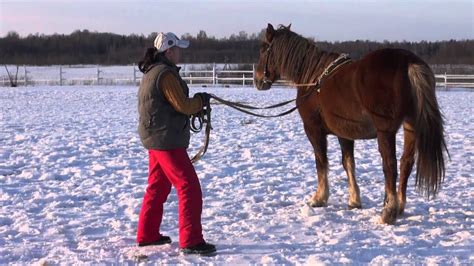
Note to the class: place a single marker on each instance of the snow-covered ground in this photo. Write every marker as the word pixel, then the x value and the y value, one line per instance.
pixel 73 174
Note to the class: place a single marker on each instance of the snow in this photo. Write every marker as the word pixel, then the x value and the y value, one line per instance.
pixel 73 174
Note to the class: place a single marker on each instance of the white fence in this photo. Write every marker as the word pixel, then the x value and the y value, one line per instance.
pixel 121 75
pixel 198 75
pixel 461 81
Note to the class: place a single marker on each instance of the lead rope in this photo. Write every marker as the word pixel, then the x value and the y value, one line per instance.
pixel 204 117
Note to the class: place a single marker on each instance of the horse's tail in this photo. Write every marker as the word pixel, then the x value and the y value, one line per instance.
pixel 429 131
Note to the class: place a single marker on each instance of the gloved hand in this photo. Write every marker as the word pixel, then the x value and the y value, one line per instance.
pixel 205 97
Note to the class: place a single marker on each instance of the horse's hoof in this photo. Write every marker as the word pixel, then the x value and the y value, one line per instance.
pixel 355 206
pixel 316 203
pixel 389 216
pixel 401 207
pixel 401 210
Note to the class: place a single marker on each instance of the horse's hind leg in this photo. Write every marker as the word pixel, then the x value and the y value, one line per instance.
pixel 320 198
pixel 406 164
pixel 386 142
pixel 347 148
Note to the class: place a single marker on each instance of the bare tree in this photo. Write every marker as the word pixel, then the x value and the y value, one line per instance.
pixel 13 82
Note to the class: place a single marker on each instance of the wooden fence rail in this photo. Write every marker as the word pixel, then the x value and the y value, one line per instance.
pixel 213 77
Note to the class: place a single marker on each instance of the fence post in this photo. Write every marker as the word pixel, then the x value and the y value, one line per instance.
pixel 253 74
pixel 445 81
pixel 190 79
pixel 243 80
pixel 98 75
pixel 60 75
pixel 134 75
pixel 26 79
pixel 214 76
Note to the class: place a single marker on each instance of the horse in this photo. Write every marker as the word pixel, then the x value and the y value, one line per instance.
pixel 361 99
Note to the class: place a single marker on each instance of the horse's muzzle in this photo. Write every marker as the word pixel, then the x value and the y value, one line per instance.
pixel 263 85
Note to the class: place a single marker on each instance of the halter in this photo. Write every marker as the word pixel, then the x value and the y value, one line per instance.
pixel 265 70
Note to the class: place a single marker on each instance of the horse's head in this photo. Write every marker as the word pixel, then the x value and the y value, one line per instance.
pixel 266 71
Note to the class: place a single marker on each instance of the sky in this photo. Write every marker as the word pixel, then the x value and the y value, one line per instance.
pixel 336 20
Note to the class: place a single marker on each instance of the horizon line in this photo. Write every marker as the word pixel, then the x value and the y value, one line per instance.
pixel 23 36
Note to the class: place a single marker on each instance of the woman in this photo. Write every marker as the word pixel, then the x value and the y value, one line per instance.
pixel 164 129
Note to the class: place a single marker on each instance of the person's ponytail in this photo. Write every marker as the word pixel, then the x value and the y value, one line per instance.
pixel 148 59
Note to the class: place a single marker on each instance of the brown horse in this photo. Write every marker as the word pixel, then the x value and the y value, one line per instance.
pixel 364 99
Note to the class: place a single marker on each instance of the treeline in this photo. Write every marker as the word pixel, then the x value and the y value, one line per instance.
pixel 85 47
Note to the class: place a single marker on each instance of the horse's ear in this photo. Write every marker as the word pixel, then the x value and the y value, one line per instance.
pixel 270 33
pixel 289 26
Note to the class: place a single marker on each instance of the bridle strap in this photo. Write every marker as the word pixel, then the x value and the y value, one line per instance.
pixel 338 62
pixel 265 70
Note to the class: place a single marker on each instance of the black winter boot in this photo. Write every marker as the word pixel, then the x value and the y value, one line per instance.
pixel 163 240
pixel 200 249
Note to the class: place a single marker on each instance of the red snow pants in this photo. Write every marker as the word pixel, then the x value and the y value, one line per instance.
pixel 171 168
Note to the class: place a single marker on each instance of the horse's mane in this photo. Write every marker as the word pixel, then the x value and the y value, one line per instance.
pixel 298 58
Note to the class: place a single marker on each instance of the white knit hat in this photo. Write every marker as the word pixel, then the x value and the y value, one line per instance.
pixel 164 41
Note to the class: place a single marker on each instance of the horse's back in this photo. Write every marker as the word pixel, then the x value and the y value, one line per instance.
pixel 383 86
pixel 369 94
pixel 384 69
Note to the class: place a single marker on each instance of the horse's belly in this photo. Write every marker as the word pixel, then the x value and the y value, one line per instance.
pixel 352 127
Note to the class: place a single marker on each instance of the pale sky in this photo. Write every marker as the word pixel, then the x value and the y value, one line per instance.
pixel 336 20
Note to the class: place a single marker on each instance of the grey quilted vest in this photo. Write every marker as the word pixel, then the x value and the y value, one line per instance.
pixel 160 126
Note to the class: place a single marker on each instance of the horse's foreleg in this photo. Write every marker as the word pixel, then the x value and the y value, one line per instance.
pixel 386 143
pixel 406 164
pixel 347 148
pixel 320 198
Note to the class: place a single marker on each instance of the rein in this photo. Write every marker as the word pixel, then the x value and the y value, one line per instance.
pixel 204 117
